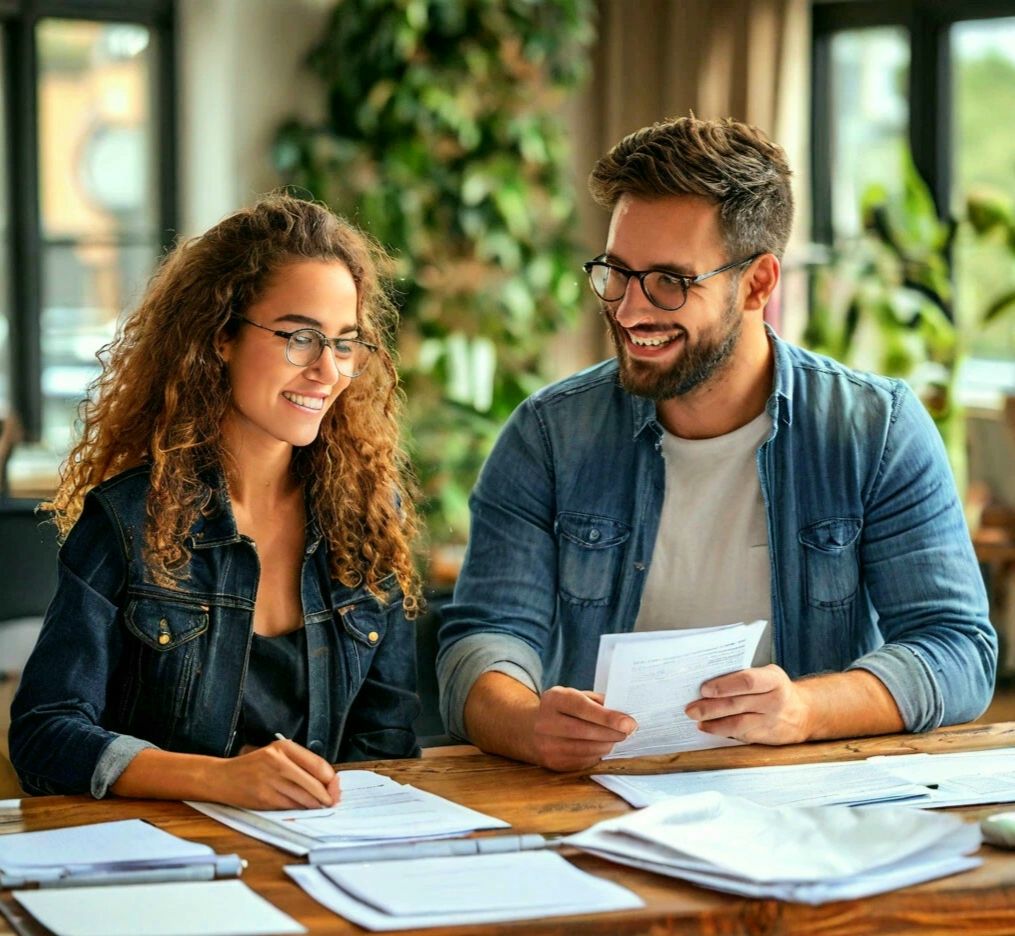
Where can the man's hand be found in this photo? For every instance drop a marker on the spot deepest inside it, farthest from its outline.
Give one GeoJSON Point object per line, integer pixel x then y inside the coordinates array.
{"type": "Point", "coordinates": [761, 705]}
{"type": "Point", "coordinates": [765, 706]}
{"type": "Point", "coordinates": [572, 730]}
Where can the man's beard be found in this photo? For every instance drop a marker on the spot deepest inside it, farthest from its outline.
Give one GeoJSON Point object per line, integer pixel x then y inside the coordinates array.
{"type": "Point", "coordinates": [695, 365]}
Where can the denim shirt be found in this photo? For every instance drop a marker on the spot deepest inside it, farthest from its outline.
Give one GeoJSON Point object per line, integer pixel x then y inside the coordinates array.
{"type": "Point", "coordinates": [871, 562]}
{"type": "Point", "coordinates": [123, 663]}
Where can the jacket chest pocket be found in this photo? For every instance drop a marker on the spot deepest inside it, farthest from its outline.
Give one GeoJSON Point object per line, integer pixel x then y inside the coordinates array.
{"type": "Point", "coordinates": [589, 553]}
{"type": "Point", "coordinates": [831, 561]}
{"type": "Point", "coordinates": [166, 662]}
{"type": "Point", "coordinates": [363, 626]}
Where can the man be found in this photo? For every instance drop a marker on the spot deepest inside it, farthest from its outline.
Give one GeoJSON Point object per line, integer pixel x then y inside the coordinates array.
{"type": "Point", "coordinates": [712, 473]}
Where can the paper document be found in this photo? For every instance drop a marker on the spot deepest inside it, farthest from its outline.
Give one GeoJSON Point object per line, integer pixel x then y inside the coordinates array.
{"type": "Point", "coordinates": [963, 778]}
{"type": "Point", "coordinates": [653, 675]}
{"type": "Point", "coordinates": [826, 784]}
{"type": "Point", "coordinates": [468, 890]}
{"type": "Point", "coordinates": [372, 808]}
{"type": "Point", "coordinates": [824, 853]}
{"type": "Point", "coordinates": [213, 908]}
{"type": "Point", "coordinates": [117, 852]}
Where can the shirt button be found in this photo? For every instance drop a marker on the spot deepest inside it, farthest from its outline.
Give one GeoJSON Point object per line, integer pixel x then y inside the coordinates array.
{"type": "Point", "coordinates": [164, 639]}
{"type": "Point", "coordinates": [373, 636]}
{"type": "Point", "coordinates": [316, 746]}
{"type": "Point", "coordinates": [594, 535]}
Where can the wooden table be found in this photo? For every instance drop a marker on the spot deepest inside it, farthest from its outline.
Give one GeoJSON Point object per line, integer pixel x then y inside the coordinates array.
{"type": "Point", "coordinates": [534, 800]}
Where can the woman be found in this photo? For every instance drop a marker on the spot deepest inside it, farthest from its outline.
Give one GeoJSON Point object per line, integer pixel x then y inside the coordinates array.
{"type": "Point", "coordinates": [229, 615]}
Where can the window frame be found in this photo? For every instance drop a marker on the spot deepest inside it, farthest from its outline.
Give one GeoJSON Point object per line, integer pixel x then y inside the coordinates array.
{"type": "Point", "coordinates": [18, 19]}
{"type": "Point", "coordinates": [931, 112]}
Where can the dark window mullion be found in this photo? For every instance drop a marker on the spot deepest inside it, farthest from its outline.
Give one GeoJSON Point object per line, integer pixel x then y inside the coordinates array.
{"type": "Point", "coordinates": [25, 349]}
{"type": "Point", "coordinates": [821, 140]}
{"type": "Point", "coordinates": [930, 105]}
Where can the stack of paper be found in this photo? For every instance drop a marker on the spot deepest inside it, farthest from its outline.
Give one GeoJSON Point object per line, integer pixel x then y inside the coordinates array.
{"type": "Point", "coordinates": [654, 675]}
{"type": "Point", "coordinates": [803, 854]}
{"type": "Point", "coordinates": [372, 808]}
{"type": "Point", "coordinates": [107, 852]}
{"type": "Point", "coordinates": [964, 778]}
{"type": "Point", "coordinates": [460, 891]}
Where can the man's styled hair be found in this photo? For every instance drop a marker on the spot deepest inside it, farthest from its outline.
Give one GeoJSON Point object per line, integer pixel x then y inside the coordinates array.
{"type": "Point", "coordinates": [730, 163]}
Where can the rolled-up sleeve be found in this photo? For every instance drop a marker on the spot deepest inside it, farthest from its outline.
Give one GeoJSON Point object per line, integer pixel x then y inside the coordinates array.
{"type": "Point", "coordinates": [502, 612]}
{"type": "Point", "coordinates": [939, 658]}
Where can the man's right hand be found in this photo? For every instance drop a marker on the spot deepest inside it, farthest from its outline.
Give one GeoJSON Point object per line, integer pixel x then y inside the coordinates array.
{"type": "Point", "coordinates": [572, 730]}
{"type": "Point", "coordinates": [561, 729]}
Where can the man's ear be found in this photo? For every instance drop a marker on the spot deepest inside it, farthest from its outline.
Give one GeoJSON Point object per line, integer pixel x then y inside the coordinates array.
{"type": "Point", "coordinates": [760, 280]}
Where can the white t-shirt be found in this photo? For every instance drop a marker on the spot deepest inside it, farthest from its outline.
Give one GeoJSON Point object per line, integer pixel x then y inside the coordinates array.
{"type": "Point", "coordinates": [710, 565]}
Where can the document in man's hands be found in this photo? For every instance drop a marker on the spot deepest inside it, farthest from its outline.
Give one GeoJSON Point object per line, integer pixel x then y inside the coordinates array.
{"type": "Point", "coordinates": [653, 675]}
{"type": "Point", "coordinates": [372, 808]}
{"type": "Point", "coordinates": [802, 854]}
{"type": "Point", "coordinates": [463, 890]}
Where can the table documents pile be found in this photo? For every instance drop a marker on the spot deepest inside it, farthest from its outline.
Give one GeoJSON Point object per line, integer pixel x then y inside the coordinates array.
{"type": "Point", "coordinates": [803, 854]}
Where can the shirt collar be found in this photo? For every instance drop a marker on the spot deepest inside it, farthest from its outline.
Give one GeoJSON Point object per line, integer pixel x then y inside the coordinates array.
{"type": "Point", "coordinates": [779, 406]}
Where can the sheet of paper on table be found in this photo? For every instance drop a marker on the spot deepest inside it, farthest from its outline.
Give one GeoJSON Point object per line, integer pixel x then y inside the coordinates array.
{"type": "Point", "coordinates": [927, 781]}
{"type": "Point", "coordinates": [653, 675]}
{"type": "Point", "coordinates": [205, 908]}
{"type": "Point", "coordinates": [826, 784]}
{"type": "Point", "coordinates": [460, 891]}
{"type": "Point", "coordinates": [824, 853]}
{"type": "Point", "coordinates": [372, 809]}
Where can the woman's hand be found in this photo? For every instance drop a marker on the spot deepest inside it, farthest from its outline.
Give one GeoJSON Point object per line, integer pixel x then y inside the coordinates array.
{"type": "Point", "coordinates": [283, 775]}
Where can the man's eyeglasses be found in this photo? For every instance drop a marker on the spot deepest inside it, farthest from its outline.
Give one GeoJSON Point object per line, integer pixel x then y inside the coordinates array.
{"type": "Point", "coordinates": [306, 345]}
{"type": "Point", "coordinates": [665, 289]}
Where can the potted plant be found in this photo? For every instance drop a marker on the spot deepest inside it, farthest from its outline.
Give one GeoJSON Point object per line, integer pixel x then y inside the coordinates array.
{"type": "Point", "coordinates": [445, 140]}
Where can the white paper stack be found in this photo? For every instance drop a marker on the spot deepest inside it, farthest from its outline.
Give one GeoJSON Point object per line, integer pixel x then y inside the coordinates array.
{"type": "Point", "coordinates": [469, 890]}
{"type": "Point", "coordinates": [372, 809]}
{"type": "Point", "coordinates": [804, 854]}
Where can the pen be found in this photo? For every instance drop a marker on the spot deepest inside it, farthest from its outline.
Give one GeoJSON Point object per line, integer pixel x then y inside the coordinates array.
{"type": "Point", "coordinates": [223, 866]}
{"type": "Point", "coordinates": [445, 848]}
{"type": "Point", "coordinates": [280, 736]}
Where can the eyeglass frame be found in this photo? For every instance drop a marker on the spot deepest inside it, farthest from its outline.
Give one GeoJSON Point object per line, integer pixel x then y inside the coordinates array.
{"type": "Point", "coordinates": [326, 342]}
{"type": "Point", "coordinates": [685, 281]}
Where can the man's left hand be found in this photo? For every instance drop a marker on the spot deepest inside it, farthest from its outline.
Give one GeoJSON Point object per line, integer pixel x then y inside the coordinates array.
{"type": "Point", "coordinates": [761, 705]}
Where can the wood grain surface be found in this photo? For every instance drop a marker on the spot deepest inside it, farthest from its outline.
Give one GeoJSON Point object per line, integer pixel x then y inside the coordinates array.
{"type": "Point", "coordinates": [534, 800]}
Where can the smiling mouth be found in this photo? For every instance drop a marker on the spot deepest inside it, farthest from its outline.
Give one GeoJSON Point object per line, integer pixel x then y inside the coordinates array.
{"type": "Point", "coordinates": [657, 341]}
{"type": "Point", "coordinates": [316, 404]}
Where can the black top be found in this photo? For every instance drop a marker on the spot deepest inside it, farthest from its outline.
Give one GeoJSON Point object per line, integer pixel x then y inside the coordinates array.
{"type": "Point", "coordinates": [275, 698]}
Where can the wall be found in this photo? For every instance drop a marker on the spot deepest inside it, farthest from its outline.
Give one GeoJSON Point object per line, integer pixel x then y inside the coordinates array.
{"type": "Point", "coordinates": [240, 68]}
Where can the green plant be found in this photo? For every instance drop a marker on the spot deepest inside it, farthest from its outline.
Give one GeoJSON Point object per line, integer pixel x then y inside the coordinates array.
{"type": "Point", "coordinates": [445, 140]}
{"type": "Point", "coordinates": [887, 301]}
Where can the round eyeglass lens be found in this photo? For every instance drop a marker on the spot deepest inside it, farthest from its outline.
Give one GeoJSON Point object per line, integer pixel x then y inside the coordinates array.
{"type": "Point", "coordinates": [665, 290]}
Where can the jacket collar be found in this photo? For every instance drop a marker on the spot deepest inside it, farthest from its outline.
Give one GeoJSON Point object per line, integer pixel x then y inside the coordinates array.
{"type": "Point", "coordinates": [216, 524]}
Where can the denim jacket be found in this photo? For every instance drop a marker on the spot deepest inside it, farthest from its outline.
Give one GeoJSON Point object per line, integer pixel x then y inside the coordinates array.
{"type": "Point", "coordinates": [123, 663]}
{"type": "Point", "coordinates": [871, 561]}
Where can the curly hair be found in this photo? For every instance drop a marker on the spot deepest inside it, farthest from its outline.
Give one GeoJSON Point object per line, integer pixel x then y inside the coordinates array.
{"type": "Point", "coordinates": [164, 391]}
{"type": "Point", "coordinates": [730, 163]}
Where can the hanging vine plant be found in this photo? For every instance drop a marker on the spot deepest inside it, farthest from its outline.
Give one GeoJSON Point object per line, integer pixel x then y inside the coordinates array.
{"type": "Point", "coordinates": [445, 140]}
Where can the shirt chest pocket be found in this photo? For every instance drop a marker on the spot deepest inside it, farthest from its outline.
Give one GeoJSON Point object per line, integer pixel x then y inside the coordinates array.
{"type": "Point", "coordinates": [831, 561]}
{"type": "Point", "coordinates": [589, 554]}
{"type": "Point", "coordinates": [363, 625]}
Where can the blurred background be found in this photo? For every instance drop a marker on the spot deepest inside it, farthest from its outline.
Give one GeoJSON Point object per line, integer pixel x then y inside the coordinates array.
{"type": "Point", "coordinates": [460, 133]}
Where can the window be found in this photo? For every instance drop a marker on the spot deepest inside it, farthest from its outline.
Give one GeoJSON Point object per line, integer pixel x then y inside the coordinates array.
{"type": "Point", "coordinates": [89, 187]}
{"type": "Point", "coordinates": [935, 78]}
